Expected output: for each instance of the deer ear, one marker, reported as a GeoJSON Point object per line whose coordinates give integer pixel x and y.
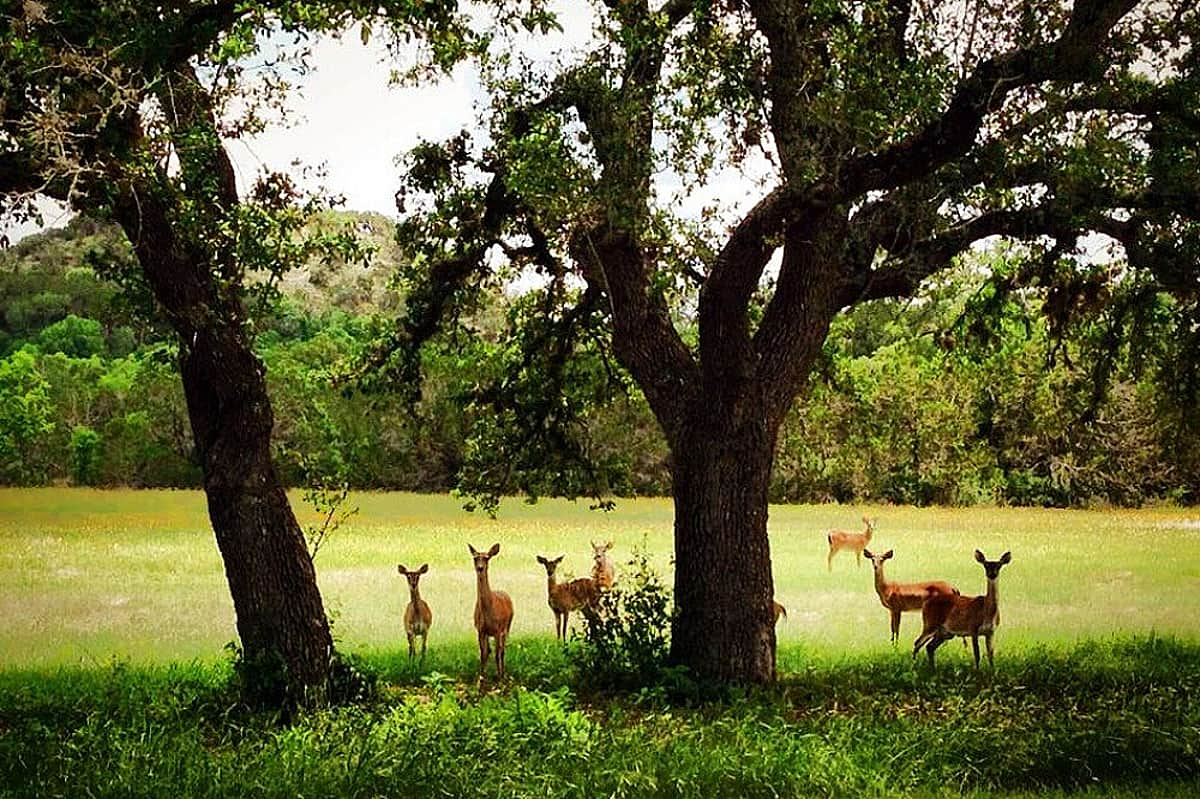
{"type": "Point", "coordinates": [979, 556]}
{"type": "Point", "coordinates": [541, 560]}
{"type": "Point", "coordinates": [888, 554]}
{"type": "Point", "coordinates": [608, 546]}
{"type": "Point", "coordinates": [868, 554]}
{"type": "Point", "coordinates": [1006, 557]}
{"type": "Point", "coordinates": [400, 568]}
{"type": "Point", "coordinates": [495, 550]}
{"type": "Point", "coordinates": [558, 560]}
{"type": "Point", "coordinates": [424, 568]}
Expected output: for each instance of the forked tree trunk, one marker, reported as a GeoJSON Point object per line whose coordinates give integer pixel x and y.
{"type": "Point", "coordinates": [724, 625]}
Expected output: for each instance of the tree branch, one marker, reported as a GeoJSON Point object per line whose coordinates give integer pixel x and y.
{"type": "Point", "coordinates": [1073, 57]}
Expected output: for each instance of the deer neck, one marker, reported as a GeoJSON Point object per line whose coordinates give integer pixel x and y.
{"type": "Point", "coordinates": [551, 583]}
{"type": "Point", "coordinates": [992, 598]}
{"type": "Point", "coordinates": [881, 583]}
{"type": "Point", "coordinates": [414, 594]}
{"type": "Point", "coordinates": [483, 589]}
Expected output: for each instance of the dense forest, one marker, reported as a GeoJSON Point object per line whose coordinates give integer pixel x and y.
{"type": "Point", "coordinates": [957, 396]}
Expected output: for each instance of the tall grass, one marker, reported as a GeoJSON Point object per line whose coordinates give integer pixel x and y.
{"type": "Point", "coordinates": [1117, 718]}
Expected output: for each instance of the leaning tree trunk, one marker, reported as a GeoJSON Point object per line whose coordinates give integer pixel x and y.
{"type": "Point", "coordinates": [286, 642]}
{"type": "Point", "coordinates": [724, 623]}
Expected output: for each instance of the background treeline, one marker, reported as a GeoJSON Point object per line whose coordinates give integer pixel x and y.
{"type": "Point", "coordinates": [959, 397]}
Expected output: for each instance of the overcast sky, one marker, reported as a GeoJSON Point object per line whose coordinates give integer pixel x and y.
{"type": "Point", "coordinates": [347, 119]}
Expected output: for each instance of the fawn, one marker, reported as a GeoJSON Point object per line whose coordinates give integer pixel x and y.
{"type": "Point", "coordinates": [579, 594]}
{"type": "Point", "coordinates": [417, 616]}
{"type": "Point", "coordinates": [944, 617]}
{"type": "Point", "coordinates": [855, 542]}
{"type": "Point", "coordinates": [603, 571]}
{"type": "Point", "coordinates": [493, 612]}
{"type": "Point", "coordinates": [901, 597]}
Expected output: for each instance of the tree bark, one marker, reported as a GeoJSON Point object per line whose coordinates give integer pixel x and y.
{"type": "Point", "coordinates": [281, 620]}
{"type": "Point", "coordinates": [724, 624]}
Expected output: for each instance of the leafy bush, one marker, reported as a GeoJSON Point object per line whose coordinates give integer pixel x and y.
{"type": "Point", "coordinates": [627, 640]}
{"type": "Point", "coordinates": [85, 455]}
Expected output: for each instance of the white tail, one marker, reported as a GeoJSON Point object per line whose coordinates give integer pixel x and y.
{"type": "Point", "coordinates": [417, 616]}
{"type": "Point", "coordinates": [945, 617]}
{"type": "Point", "coordinates": [578, 594]}
{"type": "Point", "coordinates": [903, 597]}
{"type": "Point", "coordinates": [493, 612]}
{"type": "Point", "coordinates": [604, 571]}
{"type": "Point", "coordinates": [854, 542]}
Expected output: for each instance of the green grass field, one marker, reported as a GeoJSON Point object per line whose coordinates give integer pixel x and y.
{"type": "Point", "coordinates": [113, 682]}
{"type": "Point", "coordinates": [92, 575]}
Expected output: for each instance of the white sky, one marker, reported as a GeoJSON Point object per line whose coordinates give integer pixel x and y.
{"type": "Point", "coordinates": [347, 119]}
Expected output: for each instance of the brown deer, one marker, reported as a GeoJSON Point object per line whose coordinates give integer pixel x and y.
{"type": "Point", "coordinates": [417, 616]}
{"type": "Point", "coordinates": [901, 597]}
{"type": "Point", "coordinates": [604, 571]}
{"type": "Point", "coordinates": [493, 612]}
{"type": "Point", "coordinates": [844, 539]}
{"type": "Point", "coordinates": [945, 617]}
{"type": "Point", "coordinates": [579, 594]}
{"type": "Point", "coordinates": [780, 610]}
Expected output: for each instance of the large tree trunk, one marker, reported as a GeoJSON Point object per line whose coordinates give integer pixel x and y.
{"type": "Point", "coordinates": [280, 616]}
{"type": "Point", "coordinates": [286, 641]}
{"type": "Point", "coordinates": [724, 624]}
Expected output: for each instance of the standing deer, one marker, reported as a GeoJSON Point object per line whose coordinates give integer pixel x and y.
{"type": "Point", "coordinates": [604, 571]}
{"type": "Point", "coordinates": [901, 597]}
{"type": "Point", "coordinates": [944, 617]}
{"type": "Point", "coordinates": [579, 594]}
{"type": "Point", "coordinates": [493, 612]}
{"type": "Point", "coordinates": [855, 542]}
{"type": "Point", "coordinates": [417, 616]}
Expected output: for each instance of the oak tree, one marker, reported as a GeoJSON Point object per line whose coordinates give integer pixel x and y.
{"type": "Point", "coordinates": [123, 110]}
{"type": "Point", "coordinates": [886, 138]}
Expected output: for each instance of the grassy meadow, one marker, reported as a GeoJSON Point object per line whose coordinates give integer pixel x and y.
{"type": "Point", "coordinates": [113, 682]}
{"type": "Point", "coordinates": [92, 575]}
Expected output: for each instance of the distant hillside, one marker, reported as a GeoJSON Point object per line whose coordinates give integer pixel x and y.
{"type": "Point", "coordinates": [48, 276]}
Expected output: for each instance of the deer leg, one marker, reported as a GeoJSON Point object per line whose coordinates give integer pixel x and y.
{"type": "Point", "coordinates": [895, 625]}
{"type": "Point", "coordinates": [411, 650]}
{"type": "Point", "coordinates": [500, 641]}
{"type": "Point", "coordinates": [932, 647]}
{"type": "Point", "coordinates": [566, 617]}
{"type": "Point", "coordinates": [975, 648]}
{"type": "Point", "coordinates": [424, 643]}
{"type": "Point", "coordinates": [829, 559]}
{"type": "Point", "coordinates": [922, 639]}
{"type": "Point", "coordinates": [987, 639]}
{"type": "Point", "coordinates": [484, 652]}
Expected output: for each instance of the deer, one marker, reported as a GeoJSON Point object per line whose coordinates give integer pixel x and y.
{"type": "Point", "coordinates": [844, 539]}
{"type": "Point", "coordinates": [901, 597]}
{"type": "Point", "coordinates": [944, 617]}
{"type": "Point", "coordinates": [493, 612]}
{"type": "Point", "coordinates": [603, 571]}
{"type": "Point", "coordinates": [579, 594]}
{"type": "Point", "coordinates": [780, 610]}
{"type": "Point", "coordinates": [417, 615]}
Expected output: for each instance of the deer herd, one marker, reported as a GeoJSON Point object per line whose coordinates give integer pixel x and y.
{"type": "Point", "coordinates": [945, 612]}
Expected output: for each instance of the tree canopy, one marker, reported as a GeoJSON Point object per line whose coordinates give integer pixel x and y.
{"type": "Point", "coordinates": [897, 136]}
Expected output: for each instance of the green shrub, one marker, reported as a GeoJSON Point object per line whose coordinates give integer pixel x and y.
{"type": "Point", "coordinates": [627, 640]}
{"type": "Point", "coordinates": [85, 455]}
